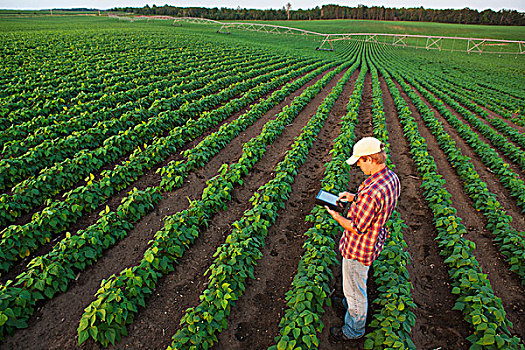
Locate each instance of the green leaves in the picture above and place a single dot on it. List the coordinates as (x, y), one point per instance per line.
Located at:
(236, 258)
(476, 298)
(392, 322)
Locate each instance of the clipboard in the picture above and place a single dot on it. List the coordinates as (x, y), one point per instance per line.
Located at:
(331, 200)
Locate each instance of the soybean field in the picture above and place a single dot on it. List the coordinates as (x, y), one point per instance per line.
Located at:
(158, 188)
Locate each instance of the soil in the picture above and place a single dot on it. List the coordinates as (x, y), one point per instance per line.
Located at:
(254, 320)
(510, 123)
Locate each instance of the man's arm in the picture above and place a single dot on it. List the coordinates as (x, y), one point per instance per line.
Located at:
(362, 215)
(344, 222)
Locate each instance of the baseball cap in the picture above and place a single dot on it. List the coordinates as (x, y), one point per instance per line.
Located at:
(364, 147)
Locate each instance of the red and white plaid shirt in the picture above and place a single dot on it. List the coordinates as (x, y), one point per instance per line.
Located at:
(375, 202)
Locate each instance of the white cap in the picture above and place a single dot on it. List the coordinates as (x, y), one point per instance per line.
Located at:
(364, 147)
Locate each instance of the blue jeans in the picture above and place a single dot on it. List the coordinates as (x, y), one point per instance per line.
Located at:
(355, 275)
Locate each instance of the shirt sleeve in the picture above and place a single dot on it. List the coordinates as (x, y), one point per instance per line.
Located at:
(362, 213)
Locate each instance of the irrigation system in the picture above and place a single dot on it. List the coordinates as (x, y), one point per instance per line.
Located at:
(428, 42)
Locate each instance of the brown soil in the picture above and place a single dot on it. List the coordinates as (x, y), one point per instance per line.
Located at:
(254, 320)
(510, 123)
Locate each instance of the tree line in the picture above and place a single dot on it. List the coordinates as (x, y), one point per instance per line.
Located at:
(462, 16)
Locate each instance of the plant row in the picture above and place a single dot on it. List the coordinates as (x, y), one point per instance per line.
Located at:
(487, 154)
(21, 240)
(497, 101)
(235, 260)
(476, 299)
(491, 77)
(75, 253)
(133, 285)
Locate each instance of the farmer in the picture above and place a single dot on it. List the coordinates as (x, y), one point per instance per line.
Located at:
(364, 231)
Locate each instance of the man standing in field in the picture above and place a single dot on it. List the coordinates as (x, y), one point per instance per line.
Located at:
(364, 231)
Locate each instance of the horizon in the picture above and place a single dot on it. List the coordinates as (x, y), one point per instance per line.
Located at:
(249, 8)
(104, 5)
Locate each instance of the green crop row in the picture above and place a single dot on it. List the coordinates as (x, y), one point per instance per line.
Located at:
(74, 253)
(512, 94)
(512, 151)
(476, 299)
(97, 107)
(511, 242)
(310, 287)
(235, 260)
(21, 240)
(133, 285)
(50, 152)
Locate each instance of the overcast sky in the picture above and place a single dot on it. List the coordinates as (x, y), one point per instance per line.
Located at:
(480, 5)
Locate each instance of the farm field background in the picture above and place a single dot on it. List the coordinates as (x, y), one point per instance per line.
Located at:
(404, 27)
(158, 186)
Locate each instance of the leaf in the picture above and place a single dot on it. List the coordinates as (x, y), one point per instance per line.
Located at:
(84, 323)
(3, 319)
(488, 339)
(149, 256)
(369, 344)
(111, 335)
(82, 337)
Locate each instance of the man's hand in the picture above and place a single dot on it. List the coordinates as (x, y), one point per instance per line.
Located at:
(332, 212)
(347, 196)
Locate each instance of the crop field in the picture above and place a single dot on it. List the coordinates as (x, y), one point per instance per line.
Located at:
(158, 188)
(405, 27)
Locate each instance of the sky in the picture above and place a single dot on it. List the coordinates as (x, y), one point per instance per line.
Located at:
(479, 5)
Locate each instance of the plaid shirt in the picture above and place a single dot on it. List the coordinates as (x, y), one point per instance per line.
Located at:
(375, 201)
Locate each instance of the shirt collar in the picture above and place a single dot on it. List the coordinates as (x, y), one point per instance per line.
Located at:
(372, 178)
